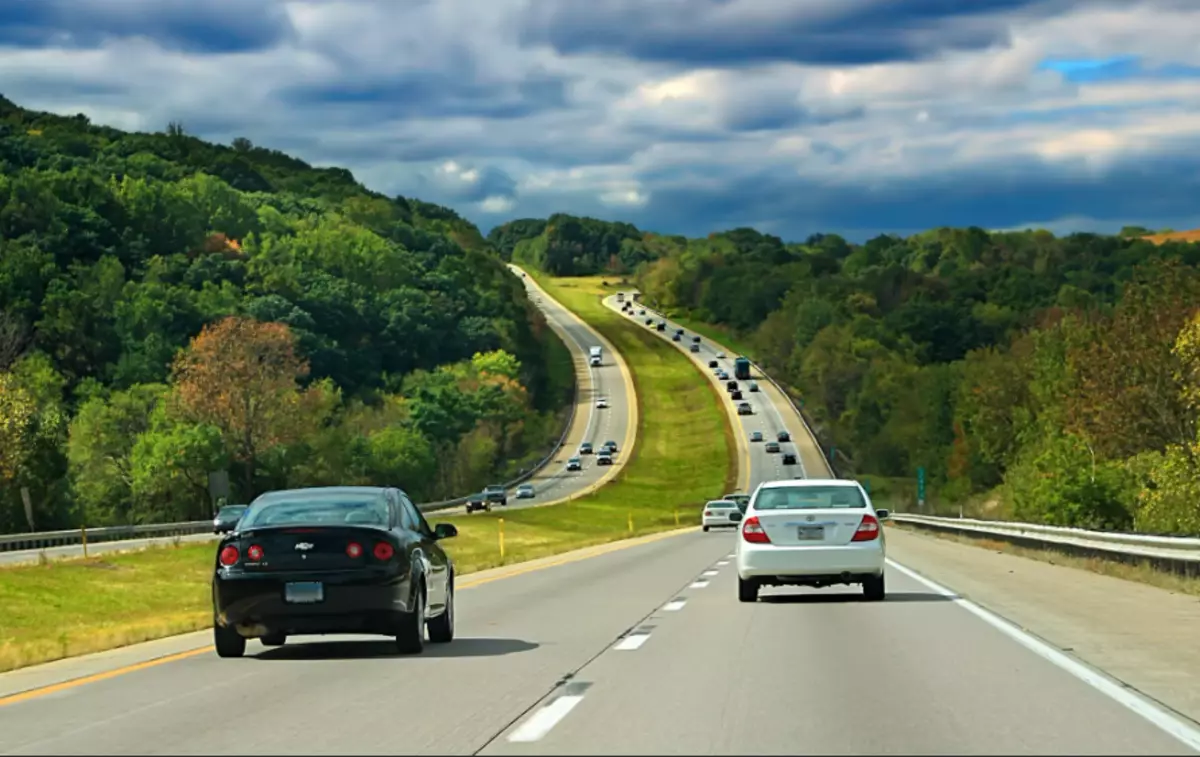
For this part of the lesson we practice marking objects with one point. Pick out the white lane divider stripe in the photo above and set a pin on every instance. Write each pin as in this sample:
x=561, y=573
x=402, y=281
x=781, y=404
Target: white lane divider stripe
x=722, y=563
x=709, y=573
x=631, y=642
x=545, y=719
x=699, y=584
x=675, y=605
x=1113, y=689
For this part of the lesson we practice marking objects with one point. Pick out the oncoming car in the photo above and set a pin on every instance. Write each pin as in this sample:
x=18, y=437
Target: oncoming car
x=333, y=560
x=716, y=514
x=811, y=532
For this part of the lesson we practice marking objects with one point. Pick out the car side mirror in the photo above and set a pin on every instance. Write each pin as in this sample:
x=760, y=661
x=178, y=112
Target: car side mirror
x=883, y=513
x=735, y=517
x=445, y=531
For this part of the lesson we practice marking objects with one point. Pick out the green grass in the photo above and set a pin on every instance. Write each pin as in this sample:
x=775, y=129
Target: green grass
x=685, y=454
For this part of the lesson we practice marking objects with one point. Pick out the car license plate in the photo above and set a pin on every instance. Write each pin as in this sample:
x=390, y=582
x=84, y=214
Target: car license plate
x=811, y=533
x=304, y=593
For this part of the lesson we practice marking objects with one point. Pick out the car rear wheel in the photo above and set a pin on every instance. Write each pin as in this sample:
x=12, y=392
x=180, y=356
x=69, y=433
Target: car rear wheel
x=441, y=628
x=706, y=529
x=411, y=637
x=228, y=641
x=874, y=589
x=274, y=640
x=747, y=590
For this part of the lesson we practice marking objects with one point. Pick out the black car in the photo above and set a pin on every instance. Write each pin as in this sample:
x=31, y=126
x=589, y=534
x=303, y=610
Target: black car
x=227, y=518
x=495, y=494
x=789, y=458
x=676, y=338
x=609, y=446
x=585, y=448
x=332, y=560
x=662, y=326
x=713, y=363
x=736, y=394
x=783, y=436
x=478, y=501
x=695, y=347
x=731, y=385
x=745, y=409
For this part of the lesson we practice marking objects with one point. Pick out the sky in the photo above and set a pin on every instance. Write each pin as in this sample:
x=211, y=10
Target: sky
x=856, y=117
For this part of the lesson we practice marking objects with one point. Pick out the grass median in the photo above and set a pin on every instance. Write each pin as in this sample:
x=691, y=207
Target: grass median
x=685, y=453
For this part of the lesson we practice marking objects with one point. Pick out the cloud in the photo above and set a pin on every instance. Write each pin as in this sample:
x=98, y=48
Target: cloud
x=852, y=116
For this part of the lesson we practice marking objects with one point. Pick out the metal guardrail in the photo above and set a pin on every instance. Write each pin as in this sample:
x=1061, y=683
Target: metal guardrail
x=45, y=539
x=1173, y=554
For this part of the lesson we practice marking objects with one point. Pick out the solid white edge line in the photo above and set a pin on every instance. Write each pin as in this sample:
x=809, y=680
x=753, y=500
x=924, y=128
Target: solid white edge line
x=674, y=605
x=631, y=642
x=540, y=723
x=699, y=584
x=1113, y=689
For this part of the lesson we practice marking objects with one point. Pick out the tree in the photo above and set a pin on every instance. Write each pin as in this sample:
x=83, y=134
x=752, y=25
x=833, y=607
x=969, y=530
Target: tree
x=17, y=414
x=14, y=339
x=240, y=376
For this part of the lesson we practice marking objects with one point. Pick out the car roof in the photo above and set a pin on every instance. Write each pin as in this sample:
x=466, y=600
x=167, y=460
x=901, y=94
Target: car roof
x=792, y=483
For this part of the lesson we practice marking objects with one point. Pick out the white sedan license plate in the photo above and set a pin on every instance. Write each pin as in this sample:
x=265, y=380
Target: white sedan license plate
x=810, y=533
x=304, y=593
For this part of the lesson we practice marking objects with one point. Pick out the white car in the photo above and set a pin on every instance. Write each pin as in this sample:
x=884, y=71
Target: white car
x=716, y=514
x=720, y=355
x=602, y=403
x=811, y=532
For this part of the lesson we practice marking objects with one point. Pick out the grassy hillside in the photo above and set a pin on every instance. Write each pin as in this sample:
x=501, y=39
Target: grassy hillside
x=405, y=351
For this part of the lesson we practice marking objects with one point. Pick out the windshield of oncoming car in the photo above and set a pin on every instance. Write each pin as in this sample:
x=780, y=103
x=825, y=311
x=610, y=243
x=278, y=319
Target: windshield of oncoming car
x=318, y=511
x=809, y=498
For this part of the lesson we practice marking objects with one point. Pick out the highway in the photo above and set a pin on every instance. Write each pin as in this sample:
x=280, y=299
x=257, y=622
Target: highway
x=632, y=648
x=553, y=484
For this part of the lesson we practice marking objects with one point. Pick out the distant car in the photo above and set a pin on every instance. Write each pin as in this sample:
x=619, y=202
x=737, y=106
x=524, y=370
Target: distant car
x=609, y=446
x=812, y=532
x=575, y=463
x=783, y=436
x=720, y=355
x=756, y=436
x=478, y=501
x=713, y=364
x=649, y=321
x=721, y=374
x=736, y=394
x=496, y=495
x=602, y=403
x=585, y=448
x=731, y=385
x=694, y=348
x=741, y=499
x=772, y=447
x=676, y=338
x=745, y=409
x=604, y=458
x=696, y=339
x=333, y=560
x=716, y=514
x=525, y=491
x=642, y=311
x=227, y=518
x=662, y=326
x=753, y=386
x=789, y=458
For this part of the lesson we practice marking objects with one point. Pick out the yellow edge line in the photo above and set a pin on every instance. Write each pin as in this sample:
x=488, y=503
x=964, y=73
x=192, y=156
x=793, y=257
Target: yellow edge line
x=75, y=683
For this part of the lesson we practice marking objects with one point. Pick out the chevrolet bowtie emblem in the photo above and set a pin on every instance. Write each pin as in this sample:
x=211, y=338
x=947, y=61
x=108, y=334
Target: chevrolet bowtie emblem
x=304, y=546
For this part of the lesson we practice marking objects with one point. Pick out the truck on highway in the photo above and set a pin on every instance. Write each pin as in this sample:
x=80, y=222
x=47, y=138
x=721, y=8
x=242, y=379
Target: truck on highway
x=594, y=355
x=741, y=368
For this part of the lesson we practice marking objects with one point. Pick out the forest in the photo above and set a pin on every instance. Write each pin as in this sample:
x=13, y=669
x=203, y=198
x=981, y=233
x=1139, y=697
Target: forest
x=175, y=314
x=1047, y=379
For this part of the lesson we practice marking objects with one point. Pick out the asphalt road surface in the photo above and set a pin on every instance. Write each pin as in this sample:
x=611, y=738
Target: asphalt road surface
x=641, y=650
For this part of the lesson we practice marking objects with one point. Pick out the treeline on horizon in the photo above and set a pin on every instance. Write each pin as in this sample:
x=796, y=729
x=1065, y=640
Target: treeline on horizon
x=171, y=309
x=1047, y=379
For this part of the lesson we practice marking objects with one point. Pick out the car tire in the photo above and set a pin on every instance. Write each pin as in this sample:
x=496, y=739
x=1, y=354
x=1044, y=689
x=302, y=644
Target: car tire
x=273, y=640
x=874, y=589
x=705, y=529
x=228, y=641
x=411, y=636
x=747, y=590
x=441, y=628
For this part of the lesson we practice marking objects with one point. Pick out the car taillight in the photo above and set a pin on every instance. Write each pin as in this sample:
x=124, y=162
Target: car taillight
x=384, y=551
x=753, y=532
x=707, y=513
x=354, y=549
x=254, y=553
x=868, y=529
x=229, y=556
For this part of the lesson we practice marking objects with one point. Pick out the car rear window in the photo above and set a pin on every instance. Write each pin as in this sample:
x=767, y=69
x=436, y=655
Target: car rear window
x=809, y=498
x=722, y=503
x=318, y=511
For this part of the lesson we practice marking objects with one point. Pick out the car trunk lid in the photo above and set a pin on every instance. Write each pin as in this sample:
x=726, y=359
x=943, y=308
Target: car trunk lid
x=310, y=548
x=813, y=527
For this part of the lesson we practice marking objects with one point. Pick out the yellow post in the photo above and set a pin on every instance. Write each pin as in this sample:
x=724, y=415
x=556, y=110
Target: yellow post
x=677, y=517
x=83, y=534
x=502, y=538
x=631, y=521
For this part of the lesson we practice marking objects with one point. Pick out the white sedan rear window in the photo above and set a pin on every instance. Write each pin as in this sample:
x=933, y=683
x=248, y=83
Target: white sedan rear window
x=809, y=498
x=720, y=503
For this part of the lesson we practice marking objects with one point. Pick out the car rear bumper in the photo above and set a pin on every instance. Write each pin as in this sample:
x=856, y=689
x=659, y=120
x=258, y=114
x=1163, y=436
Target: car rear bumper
x=352, y=604
x=762, y=561
x=717, y=520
